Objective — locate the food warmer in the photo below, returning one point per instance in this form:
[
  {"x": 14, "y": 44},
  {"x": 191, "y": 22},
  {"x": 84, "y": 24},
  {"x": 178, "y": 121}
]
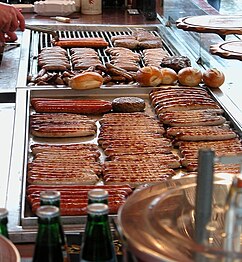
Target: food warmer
[{"x": 22, "y": 223}]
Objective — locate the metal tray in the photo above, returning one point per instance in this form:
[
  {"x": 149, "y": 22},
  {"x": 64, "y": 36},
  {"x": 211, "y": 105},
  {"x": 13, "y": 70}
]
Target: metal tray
[
  {"x": 16, "y": 203},
  {"x": 38, "y": 40},
  {"x": 33, "y": 42},
  {"x": 21, "y": 150}
]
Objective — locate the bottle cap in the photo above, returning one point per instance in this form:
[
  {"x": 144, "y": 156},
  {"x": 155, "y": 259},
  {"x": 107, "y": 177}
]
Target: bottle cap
[
  {"x": 47, "y": 211},
  {"x": 97, "y": 209},
  {"x": 3, "y": 212},
  {"x": 50, "y": 195},
  {"x": 98, "y": 194}
]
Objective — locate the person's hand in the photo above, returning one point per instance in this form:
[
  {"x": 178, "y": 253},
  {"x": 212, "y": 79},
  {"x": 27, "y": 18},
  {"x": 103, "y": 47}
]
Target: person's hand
[
  {"x": 10, "y": 20},
  {"x": 8, "y": 37}
]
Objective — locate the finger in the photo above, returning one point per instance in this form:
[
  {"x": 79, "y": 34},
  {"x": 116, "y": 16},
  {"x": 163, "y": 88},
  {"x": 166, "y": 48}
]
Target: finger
[
  {"x": 14, "y": 23},
  {"x": 10, "y": 37},
  {"x": 21, "y": 20}
]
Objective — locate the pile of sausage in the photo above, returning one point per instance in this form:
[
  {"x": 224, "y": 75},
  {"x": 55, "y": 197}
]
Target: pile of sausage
[
  {"x": 61, "y": 125},
  {"x": 117, "y": 63},
  {"x": 139, "y": 39},
  {"x": 53, "y": 63},
  {"x": 136, "y": 149},
  {"x": 123, "y": 65},
  {"x": 74, "y": 197},
  {"x": 193, "y": 120},
  {"x": 190, "y": 149},
  {"x": 153, "y": 57},
  {"x": 64, "y": 164},
  {"x": 53, "y": 59},
  {"x": 73, "y": 170},
  {"x": 84, "y": 58},
  {"x": 65, "y": 117}
]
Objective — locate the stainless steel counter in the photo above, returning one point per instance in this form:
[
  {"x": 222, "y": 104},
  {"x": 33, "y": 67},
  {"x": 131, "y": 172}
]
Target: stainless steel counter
[
  {"x": 15, "y": 67},
  {"x": 7, "y": 119}
]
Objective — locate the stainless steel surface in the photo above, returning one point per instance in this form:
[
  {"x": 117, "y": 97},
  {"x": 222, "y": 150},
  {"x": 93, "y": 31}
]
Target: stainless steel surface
[
  {"x": 9, "y": 65},
  {"x": 158, "y": 222},
  {"x": 176, "y": 41},
  {"x": 196, "y": 46},
  {"x": 39, "y": 40},
  {"x": 22, "y": 222},
  {"x": 43, "y": 29},
  {"x": 203, "y": 207},
  {"x": 22, "y": 227},
  {"x": 7, "y": 120}
]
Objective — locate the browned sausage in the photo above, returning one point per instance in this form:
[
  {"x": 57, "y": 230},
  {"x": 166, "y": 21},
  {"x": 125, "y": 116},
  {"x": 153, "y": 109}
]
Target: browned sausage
[{"x": 93, "y": 42}]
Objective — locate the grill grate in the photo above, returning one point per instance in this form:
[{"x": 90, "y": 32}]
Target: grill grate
[{"x": 40, "y": 40}]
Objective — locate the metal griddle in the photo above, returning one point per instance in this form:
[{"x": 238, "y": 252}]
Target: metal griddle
[
  {"x": 41, "y": 37},
  {"x": 22, "y": 225}
]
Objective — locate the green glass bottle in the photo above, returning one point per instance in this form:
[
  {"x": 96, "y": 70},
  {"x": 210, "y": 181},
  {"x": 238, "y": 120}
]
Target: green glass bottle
[
  {"x": 97, "y": 195},
  {"x": 97, "y": 243},
  {"x": 4, "y": 222},
  {"x": 52, "y": 198},
  {"x": 48, "y": 244}
]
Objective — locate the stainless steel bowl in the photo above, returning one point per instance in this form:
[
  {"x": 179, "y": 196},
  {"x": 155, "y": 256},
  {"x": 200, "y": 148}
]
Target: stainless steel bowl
[{"x": 157, "y": 223}]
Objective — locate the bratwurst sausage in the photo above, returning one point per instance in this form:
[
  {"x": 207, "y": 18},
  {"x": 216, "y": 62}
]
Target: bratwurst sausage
[{"x": 93, "y": 42}]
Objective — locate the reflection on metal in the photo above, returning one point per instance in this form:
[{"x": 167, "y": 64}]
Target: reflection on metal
[
  {"x": 203, "y": 207},
  {"x": 233, "y": 208},
  {"x": 170, "y": 22}
]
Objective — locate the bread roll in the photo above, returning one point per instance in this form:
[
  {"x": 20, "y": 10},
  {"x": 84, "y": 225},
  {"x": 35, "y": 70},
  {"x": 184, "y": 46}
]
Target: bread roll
[
  {"x": 213, "y": 78},
  {"x": 86, "y": 80},
  {"x": 190, "y": 76},
  {"x": 169, "y": 76},
  {"x": 148, "y": 76}
]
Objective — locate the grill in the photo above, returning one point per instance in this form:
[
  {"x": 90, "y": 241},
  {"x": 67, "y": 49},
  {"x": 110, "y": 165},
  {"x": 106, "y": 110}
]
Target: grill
[
  {"x": 34, "y": 42},
  {"x": 40, "y": 40},
  {"x": 173, "y": 43}
]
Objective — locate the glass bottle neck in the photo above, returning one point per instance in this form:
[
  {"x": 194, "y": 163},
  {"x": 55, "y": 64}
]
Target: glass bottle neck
[
  {"x": 97, "y": 242},
  {"x": 50, "y": 202},
  {"x": 4, "y": 227},
  {"x": 97, "y": 218},
  {"x": 48, "y": 244},
  {"x": 101, "y": 200}
]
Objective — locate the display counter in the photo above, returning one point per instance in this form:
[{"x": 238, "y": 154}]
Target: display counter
[{"x": 16, "y": 65}]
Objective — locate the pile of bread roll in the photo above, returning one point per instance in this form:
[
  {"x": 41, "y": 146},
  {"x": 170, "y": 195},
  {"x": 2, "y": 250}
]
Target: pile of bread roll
[
  {"x": 151, "y": 76},
  {"x": 188, "y": 76}
]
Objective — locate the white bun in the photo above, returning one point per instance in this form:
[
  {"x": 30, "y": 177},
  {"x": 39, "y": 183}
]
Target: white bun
[
  {"x": 190, "y": 76},
  {"x": 168, "y": 76},
  {"x": 148, "y": 76},
  {"x": 213, "y": 78},
  {"x": 86, "y": 80}
]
